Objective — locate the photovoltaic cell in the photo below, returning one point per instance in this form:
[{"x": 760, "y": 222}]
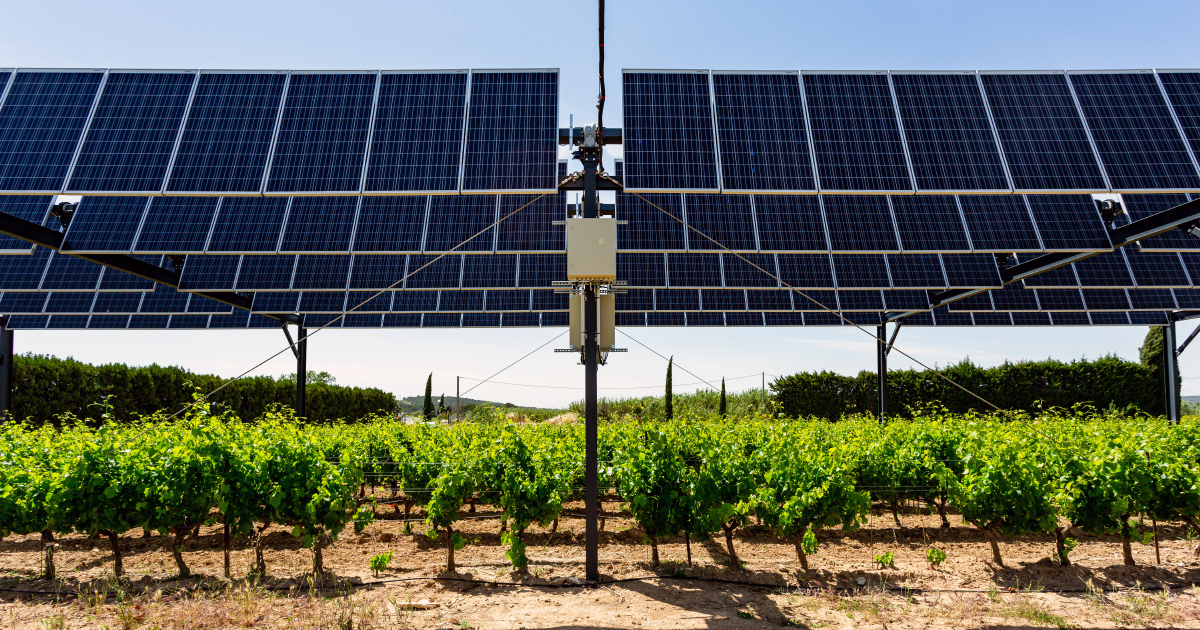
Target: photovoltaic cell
[
  {"x": 236, "y": 319},
  {"x": 1069, "y": 223},
  {"x": 1106, "y": 299},
  {"x": 321, "y": 273},
  {"x": 789, "y": 223},
  {"x": 1187, "y": 298},
  {"x": 677, "y": 299},
  {"x": 860, "y": 300},
  {"x": 749, "y": 273},
  {"x": 69, "y": 303},
  {"x": 861, "y": 271},
  {"x": 40, "y": 125},
  {"x": 32, "y": 208},
  {"x": 929, "y": 223},
  {"x": 948, "y": 133},
  {"x": 105, "y": 224},
  {"x": 512, "y": 132},
  {"x": 668, "y": 132},
  {"x": 176, "y": 225},
  {"x": 916, "y": 271},
  {"x": 769, "y": 300},
  {"x": 481, "y": 320},
  {"x": 860, "y": 224},
  {"x": 321, "y": 302},
  {"x": 1156, "y": 269},
  {"x": 761, "y": 132},
  {"x": 108, "y": 322},
  {"x": 227, "y": 136},
  {"x": 693, "y": 270},
  {"x": 784, "y": 319},
  {"x": 390, "y": 224},
  {"x": 1060, "y": 299},
  {"x": 515, "y": 300},
  {"x": 1109, "y": 319},
  {"x": 532, "y": 229},
  {"x": 982, "y": 302},
  {"x": 368, "y": 302},
  {"x": 22, "y": 303},
  {"x": 515, "y": 320},
  {"x": 209, "y": 273},
  {"x": 855, "y": 132},
  {"x": 1105, "y": 270},
  {"x": 435, "y": 273},
  {"x": 417, "y": 142},
  {"x": 68, "y": 322},
  {"x": 267, "y": 302},
  {"x": 815, "y": 301},
  {"x": 200, "y": 305},
  {"x": 113, "y": 280},
  {"x": 248, "y": 224},
  {"x": 129, "y": 141},
  {"x": 415, "y": 301},
  {"x": 705, "y": 319},
  {"x": 68, "y": 273},
  {"x": 971, "y": 270},
  {"x": 126, "y": 303},
  {"x": 460, "y": 301},
  {"x": 266, "y": 273},
  {"x": 1141, "y": 206},
  {"x": 993, "y": 319},
  {"x": 1183, "y": 91},
  {"x": 1148, "y": 319},
  {"x": 188, "y": 322},
  {"x": 322, "y": 135},
  {"x": 642, "y": 270},
  {"x": 904, "y": 300},
  {"x": 1041, "y": 133},
  {"x": 725, "y": 218},
  {"x": 319, "y": 224},
  {"x": 24, "y": 273},
  {"x": 377, "y": 272},
  {"x": 806, "y": 271},
  {"x": 1059, "y": 277},
  {"x": 455, "y": 218},
  {"x": 999, "y": 223},
  {"x": 540, "y": 270},
  {"x": 1151, "y": 299},
  {"x": 1134, "y": 131},
  {"x": 649, "y": 229},
  {"x": 549, "y": 301},
  {"x": 165, "y": 300},
  {"x": 490, "y": 272},
  {"x": 743, "y": 319}
]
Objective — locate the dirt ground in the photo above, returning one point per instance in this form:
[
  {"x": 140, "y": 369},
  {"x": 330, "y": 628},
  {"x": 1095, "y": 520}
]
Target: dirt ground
[{"x": 844, "y": 588}]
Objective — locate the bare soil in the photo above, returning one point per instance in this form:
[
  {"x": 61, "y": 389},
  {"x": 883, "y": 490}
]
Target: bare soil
[{"x": 844, "y": 587}]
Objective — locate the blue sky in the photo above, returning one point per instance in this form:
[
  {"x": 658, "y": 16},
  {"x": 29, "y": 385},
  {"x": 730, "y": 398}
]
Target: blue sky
[{"x": 743, "y": 35}]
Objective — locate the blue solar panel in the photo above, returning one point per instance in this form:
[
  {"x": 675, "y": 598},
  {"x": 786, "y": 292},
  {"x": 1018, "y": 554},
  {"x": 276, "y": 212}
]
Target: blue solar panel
[
  {"x": 943, "y": 317},
  {"x": 904, "y": 300},
  {"x": 761, "y": 132},
  {"x": 705, "y": 319},
  {"x": 1043, "y": 137},
  {"x": 1148, "y": 319},
  {"x": 377, "y": 272},
  {"x": 414, "y": 301},
  {"x": 390, "y": 224},
  {"x": 512, "y": 132},
  {"x": 971, "y": 270},
  {"x": 176, "y": 225},
  {"x": 790, "y": 223},
  {"x": 999, "y": 223},
  {"x": 994, "y": 319},
  {"x": 815, "y": 301},
  {"x": 515, "y": 300},
  {"x": 431, "y": 272},
  {"x": 369, "y": 301},
  {"x": 668, "y": 131},
  {"x": 165, "y": 300},
  {"x": 1069, "y": 223},
  {"x": 861, "y": 271},
  {"x": 769, "y": 300},
  {"x": 541, "y": 270},
  {"x": 948, "y": 133},
  {"x": 1070, "y": 319},
  {"x": 532, "y": 229},
  {"x": 248, "y": 224},
  {"x": 516, "y": 320},
  {"x": 418, "y": 137},
  {"x": 916, "y": 271},
  {"x": 855, "y": 133},
  {"x": 131, "y": 136},
  {"x": 694, "y": 270},
  {"x": 631, "y": 300},
  {"x": 68, "y": 322},
  {"x": 1135, "y": 132},
  {"x": 441, "y": 320},
  {"x": 822, "y": 319},
  {"x": 1104, "y": 270},
  {"x": 1059, "y": 277},
  {"x": 32, "y": 208},
  {"x": 321, "y": 302},
  {"x": 266, "y": 273},
  {"x": 266, "y": 302},
  {"x": 549, "y": 301},
  {"x": 200, "y": 305},
  {"x": 677, "y": 299},
  {"x": 70, "y": 303},
  {"x": 490, "y": 272},
  {"x": 236, "y": 319},
  {"x": 1106, "y": 299},
  {"x": 860, "y": 224},
  {"x": 316, "y": 273},
  {"x": 860, "y": 300},
  {"x": 113, "y": 280},
  {"x": 105, "y": 224},
  {"x": 724, "y": 218},
  {"x": 322, "y": 137},
  {"x": 1156, "y": 269},
  {"x": 460, "y": 301},
  {"x": 930, "y": 223},
  {"x": 1141, "y": 206},
  {"x": 127, "y": 303},
  {"x": 455, "y": 218},
  {"x": 108, "y": 322},
  {"x": 68, "y": 273},
  {"x": 22, "y": 303},
  {"x": 982, "y": 302},
  {"x": 209, "y": 273},
  {"x": 783, "y": 319},
  {"x": 649, "y": 229},
  {"x": 362, "y": 320},
  {"x": 1187, "y": 298},
  {"x": 750, "y": 272},
  {"x": 806, "y": 271},
  {"x": 481, "y": 320},
  {"x": 188, "y": 322},
  {"x": 319, "y": 225},
  {"x": 1151, "y": 299},
  {"x": 642, "y": 270},
  {"x": 1109, "y": 319},
  {"x": 1060, "y": 299},
  {"x": 862, "y": 319},
  {"x": 40, "y": 124},
  {"x": 1183, "y": 92},
  {"x": 227, "y": 137},
  {"x": 742, "y": 319},
  {"x": 24, "y": 273}
]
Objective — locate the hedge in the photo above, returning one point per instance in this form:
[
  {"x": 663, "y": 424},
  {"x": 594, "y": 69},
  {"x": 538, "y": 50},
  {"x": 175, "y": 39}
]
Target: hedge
[
  {"x": 1106, "y": 382},
  {"x": 45, "y": 387}
]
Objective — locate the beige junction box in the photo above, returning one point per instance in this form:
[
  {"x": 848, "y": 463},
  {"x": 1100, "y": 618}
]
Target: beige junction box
[
  {"x": 606, "y": 311},
  {"x": 592, "y": 250}
]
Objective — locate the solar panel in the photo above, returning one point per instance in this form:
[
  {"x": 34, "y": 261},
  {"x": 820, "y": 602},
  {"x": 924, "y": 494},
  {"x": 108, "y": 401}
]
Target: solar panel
[
  {"x": 209, "y": 273},
  {"x": 490, "y": 272},
  {"x": 266, "y": 273},
  {"x": 22, "y": 303},
  {"x": 531, "y": 229},
  {"x": 32, "y": 208},
  {"x": 861, "y": 224},
  {"x": 237, "y": 319},
  {"x": 481, "y": 320},
  {"x": 982, "y": 302},
  {"x": 705, "y": 319},
  {"x": 188, "y": 322},
  {"x": 176, "y": 225},
  {"x": 676, "y": 300},
  {"x": 905, "y": 300},
  {"x": 227, "y": 136},
  {"x": 319, "y": 225},
  {"x": 1141, "y": 206},
  {"x": 694, "y": 270},
  {"x": 322, "y": 138},
  {"x": 727, "y": 219},
  {"x": 723, "y": 300},
  {"x": 414, "y": 301},
  {"x": 132, "y": 133},
  {"x": 806, "y": 271},
  {"x": 69, "y": 303},
  {"x": 41, "y": 120},
  {"x": 850, "y": 301},
  {"x": 68, "y": 273},
  {"x": 648, "y": 228},
  {"x": 929, "y": 223},
  {"x": 248, "y": 225},
  {"x": 512, "y": 132},
  {"x": 1108, "y": 269},
  {"x": 1068, "y": 223},
  {"x": 1059, "y": 277},
  {"x": 863, "y": 271},
  {"x": 362, "y": 320},
  {"x": 200, "y": 305},
  {"x": 165, "y": 300},
  {"x": 1106, "y": 299},
  {"x": 549, "y": 301},
  {"x": 769, "y": 300},
  {"x": 1187, "y": 298},
  {"x": 117, "y": 303},
  {"x": 1046, "y": 146},
  {"x": 460, "y": 301},
  {"x": 431, "y": 272},
  {"x": 113, "y": 280},
  {"x": 540, "y": 270},
  {"x": 1135, "y": 132},
  {"x": 1109, "y": 319},
  {"x": 331, "y": 302},
  {"x": 1156, "y": 269},
  {"x": 390, "y": 224},
  {"x": 971, "y": 270},
  {"x": 108, "y": 322},
  {"x": 267, "y": 302},
  {"x": 752, "y": 272},
  {"x": 1151, "y": 299},
  {"x": 999, "y": 223},
  {"x": 856, "y": 136},
  {"x": 105, "y": 224},
  {"x": 321, "y": 273},
  {"x": 916, "y": 271},
  {"x": 376, "y": 273},
  {"x": 507, "y": 301},
  {"x": 455, "y": 218},
  {"x": 1183, "y": 94},
  {"x": 642, "y": 270},
  {"x": 668, "y": 141},
  {"x": 1060, "y": 299},
  {"x": 417, "y": 143},
  {"x": 369, "y": 301},
  {"x": 783, "y": 319},
  {"x": 948, "y": 132},
  {"x": 992, "y": 319},
  {"x": 818, "y": 300},
  {"x": 788, "y": 223},
  {"x": 761, "y": 132},
  {"x": 1148, "y": 319}
]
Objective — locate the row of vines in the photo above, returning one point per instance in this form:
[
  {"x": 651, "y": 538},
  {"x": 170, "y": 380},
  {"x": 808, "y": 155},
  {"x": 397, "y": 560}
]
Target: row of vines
[{"x": 702, "y": 479}]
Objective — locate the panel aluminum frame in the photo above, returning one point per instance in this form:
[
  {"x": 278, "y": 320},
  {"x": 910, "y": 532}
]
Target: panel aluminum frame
[{"x": 462, "y": 189}]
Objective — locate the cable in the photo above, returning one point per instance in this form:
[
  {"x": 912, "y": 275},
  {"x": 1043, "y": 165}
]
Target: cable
[
  {"x": 600, "y": 101},
  {"x": 514, "y": 362},
  {"x": 732, "y": 378},
  {"x": 671, "y": 361}
]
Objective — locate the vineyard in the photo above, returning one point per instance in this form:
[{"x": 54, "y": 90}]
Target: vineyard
[{"x": 703, "y": 479}]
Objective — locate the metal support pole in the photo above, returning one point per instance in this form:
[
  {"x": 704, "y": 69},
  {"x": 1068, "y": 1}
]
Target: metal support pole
[
  {"x": 881, "y": 369},
  {"x": 6, "y": 367},
  {"x": 764, "y": 392},
  {"x": 301, "y": 368},
  {"x": 591, "y": 492},
  {"x": 1171, "y": 372},
  {"x": 457, "y": 398}
]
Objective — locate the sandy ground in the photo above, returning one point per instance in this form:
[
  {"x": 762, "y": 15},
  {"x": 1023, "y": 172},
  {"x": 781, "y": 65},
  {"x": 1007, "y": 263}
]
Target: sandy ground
[{"x": 844, "y": 588}]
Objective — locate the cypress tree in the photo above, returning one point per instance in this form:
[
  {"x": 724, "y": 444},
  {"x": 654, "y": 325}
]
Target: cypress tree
[
  {"x": 428, "y": 409},
  {"x": 1153, "y": 353},
  {"x": 442, "y": 405},
  {"x": 723, "y": 405},
  {"x": 668, "y": 407}
]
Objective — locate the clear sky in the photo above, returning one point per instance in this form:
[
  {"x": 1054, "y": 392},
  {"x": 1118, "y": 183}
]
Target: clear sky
[{"x": 1014, "y": 34}]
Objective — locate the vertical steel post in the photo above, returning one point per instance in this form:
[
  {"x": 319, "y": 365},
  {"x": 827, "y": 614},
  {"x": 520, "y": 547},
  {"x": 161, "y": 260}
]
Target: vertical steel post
[
  {"x": 1171, "y": 372},
  {"x": 6, "y": 367},
  {"x": 301, "y": 368},
  {"x": 591, "y": 490},
  {"x": 764, "y": 392},
  {"x": 457, "y": 398},
  {"x": 881, "y": 369}
]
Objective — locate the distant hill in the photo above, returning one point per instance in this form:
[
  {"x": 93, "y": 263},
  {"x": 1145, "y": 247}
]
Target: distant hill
[
  {"x": 417, "y": 403},
  {"x": 1191, "y": 398}
]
